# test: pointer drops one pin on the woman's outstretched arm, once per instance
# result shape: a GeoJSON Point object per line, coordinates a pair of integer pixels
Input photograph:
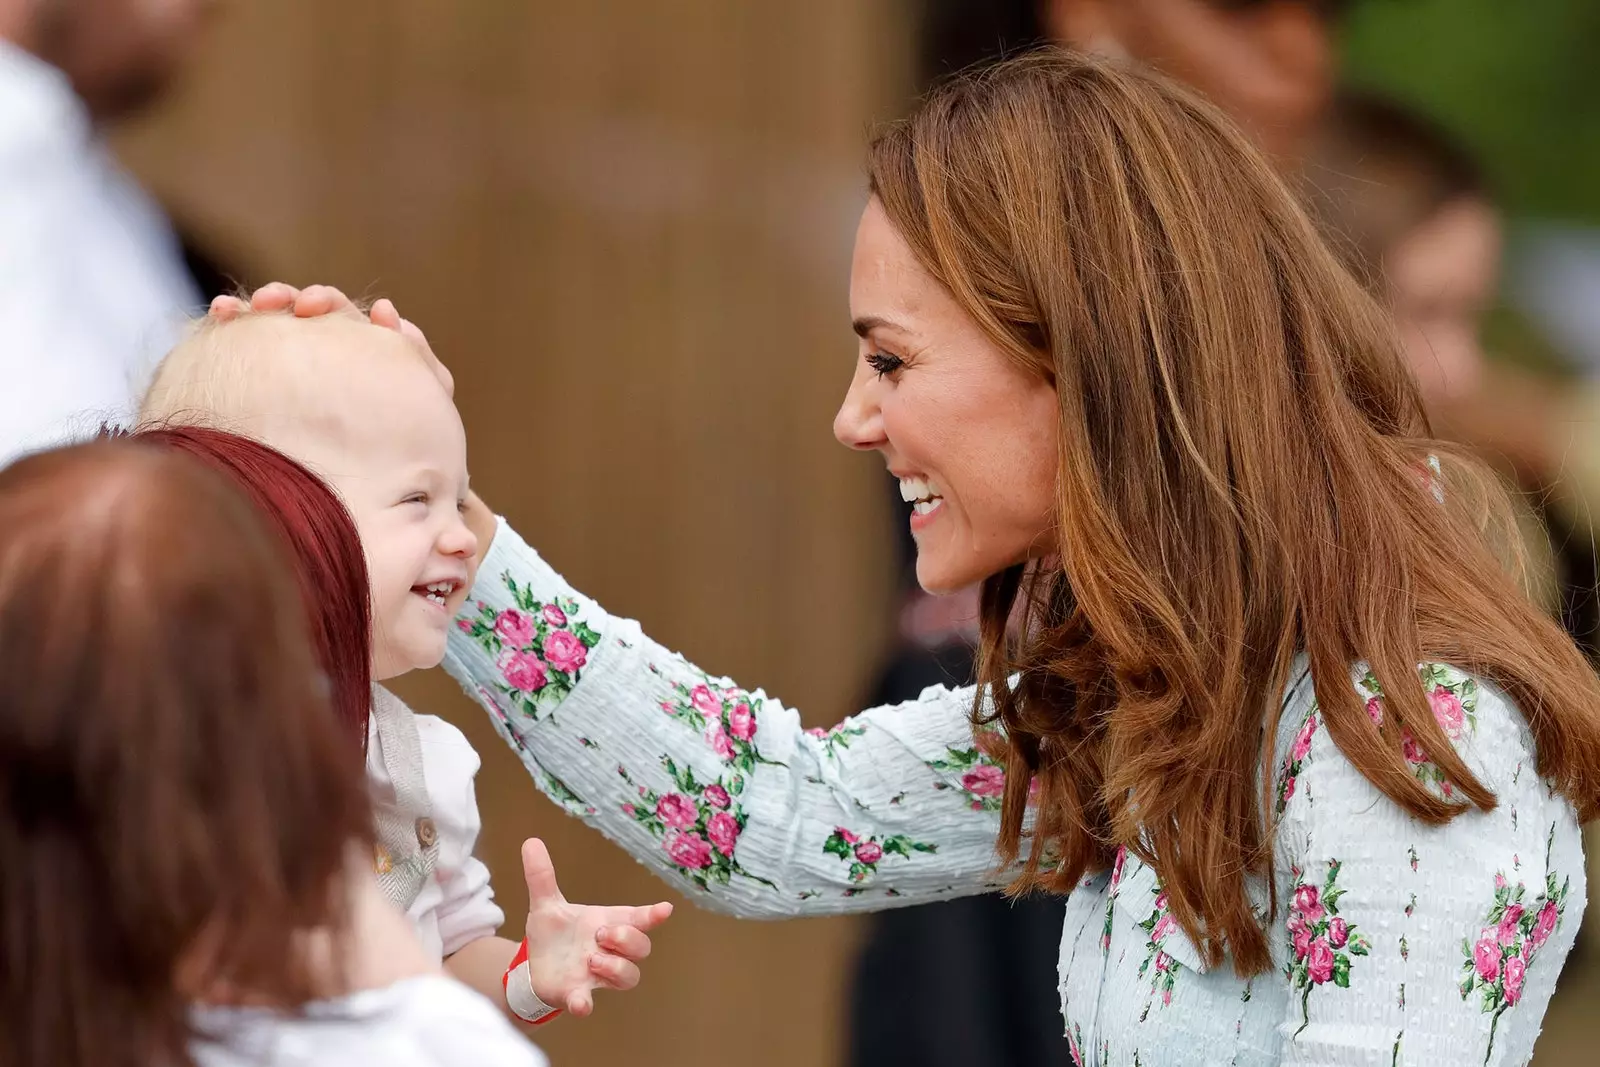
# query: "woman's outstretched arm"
{"type": "Point", "coordinates": [715, 787]}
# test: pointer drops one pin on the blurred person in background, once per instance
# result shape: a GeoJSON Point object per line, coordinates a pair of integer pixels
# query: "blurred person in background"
{"type": "Point", "coordinates": [1271, 64]}
{"type": "Point", "coordinates": [94, 284]}
{"type": "Point", "coordinates": [185, 822]}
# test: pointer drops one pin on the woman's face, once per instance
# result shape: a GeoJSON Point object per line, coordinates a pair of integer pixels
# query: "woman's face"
{"type": "Point", "coordinates": [970, 434]}
{"type": "Point", "coordinates": [1441, 278]}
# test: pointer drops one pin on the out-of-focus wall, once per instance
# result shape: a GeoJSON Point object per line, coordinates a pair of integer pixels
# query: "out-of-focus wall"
{"type": "Point", "coordinates": [626, 227]}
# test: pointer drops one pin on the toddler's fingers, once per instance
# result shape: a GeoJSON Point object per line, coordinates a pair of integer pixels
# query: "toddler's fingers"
{"type": "Point", "coordinates": [614, 971]}
{"type": "Point", "coordinates": [580, 1002]}
{"type": "Point", "coordinates": [626, 941]}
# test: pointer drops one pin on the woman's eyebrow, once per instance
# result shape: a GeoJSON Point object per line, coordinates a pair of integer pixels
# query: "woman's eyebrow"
{"type": "Point", "coordinates": [867, 323]}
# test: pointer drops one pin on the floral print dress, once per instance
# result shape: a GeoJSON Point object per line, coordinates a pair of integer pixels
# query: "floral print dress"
{"type": "Point", "coordinates": [1395, 942]}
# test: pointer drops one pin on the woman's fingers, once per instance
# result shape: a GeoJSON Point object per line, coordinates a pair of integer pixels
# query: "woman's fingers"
{"type": "Point", "coordinates": [385, 314]}
{"type": "Point", "coordinates": [318, 300]}
{"type": "Point", "coordinates": [274, 296]}
{"type": "Point", "coordinates": [614, 972]}
{"type": "Point", "coordinates": [227, 308]}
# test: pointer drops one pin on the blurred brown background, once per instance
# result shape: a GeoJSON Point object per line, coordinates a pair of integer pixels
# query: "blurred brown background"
{"type": "Point", "coordinates": [634, 259]}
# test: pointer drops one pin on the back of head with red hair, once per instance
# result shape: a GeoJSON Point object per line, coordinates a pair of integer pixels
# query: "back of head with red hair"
{"type": "Point", "coordinates": [177, 800]}
{"type": "Point", "coordinates": [329, 563]}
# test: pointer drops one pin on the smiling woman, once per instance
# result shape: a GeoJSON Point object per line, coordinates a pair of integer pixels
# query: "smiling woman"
{"type": "Point", "coordinates": [1254, 688]}
{"type": "Point", "coordinates": [968, 429]}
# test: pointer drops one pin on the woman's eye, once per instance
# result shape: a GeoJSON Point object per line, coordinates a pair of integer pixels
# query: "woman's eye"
{"type": "Point", "coordinates": [884, 363]}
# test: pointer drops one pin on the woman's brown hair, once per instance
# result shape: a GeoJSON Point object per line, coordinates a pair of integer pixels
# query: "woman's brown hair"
{"type": "Point", "coordinates": [1242, 474]}
{"type": "Point", "coordinates": [176, 797]}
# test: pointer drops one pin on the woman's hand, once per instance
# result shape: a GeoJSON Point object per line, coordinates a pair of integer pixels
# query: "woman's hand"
{"type": "Point", "coordinates": [574, 949]}
{"type": "Point", "coordinates": [317, 300]}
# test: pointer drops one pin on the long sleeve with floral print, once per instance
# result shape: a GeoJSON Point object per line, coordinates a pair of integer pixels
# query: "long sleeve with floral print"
{"type": "Point", "coordinates": [1395, 943]}
{"type": "Point", "coordinates": [717, 788]}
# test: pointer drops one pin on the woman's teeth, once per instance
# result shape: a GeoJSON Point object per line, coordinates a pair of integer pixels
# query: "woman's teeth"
{"type": "Point", "coordinates": [921, 494]}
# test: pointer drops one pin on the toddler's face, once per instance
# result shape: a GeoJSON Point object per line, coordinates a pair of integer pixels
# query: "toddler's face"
{"type": "Point", "coordinates": [392, 445]}
{"type": "Point", "coordinates": [356, 405]}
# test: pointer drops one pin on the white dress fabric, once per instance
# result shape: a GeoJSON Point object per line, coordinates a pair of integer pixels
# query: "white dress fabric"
{"type": "Point", "coordinates": [429, 1021]}
{"type": "Point", "coordinates": [1395, 942]}
{"type": "Point", "coordinates": [93, 289]}
{"type": "Point", "coordinates": [455, 905]}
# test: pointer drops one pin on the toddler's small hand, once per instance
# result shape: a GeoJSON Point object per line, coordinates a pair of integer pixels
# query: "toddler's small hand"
{"type": "Point", "coordinates": [574, 949]}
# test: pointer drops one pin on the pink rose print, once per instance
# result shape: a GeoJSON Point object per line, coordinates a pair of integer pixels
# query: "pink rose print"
{"type": "Point", "coordinates": [1294, 762]}
{"type": "Point", "coordinates": [1117, 865]}
{"type": "Point", "coordinates": [1496, 966]}
{"type": "Point", "coordinates": [1375, 710]}
{"type": "Point", "coordinates": [523, 671]}
{"type": "Point", "coordinates": [1324, 944]}
{"type": "Point", "coordinates": [1302, 940]}
{"type": "Point", "coordinates": [1545, 925]}
{"type": "Point", "coordinates": [538, 664]}
{"type": "Point", "coordinates": [698, 825]}
{"type": "Point", "coordinates": [818, 732]}
{"type": "Point", "coordinates": [1308, 902]}
{"type": "Point", "coordinates": [723, 830]}
{"type": "Point", "coordinates": [678, 811]}
{"type": "Point", "coordinates": [722, 744]}
{"type": "Point", "coordinates": [1302, 741]}
{"type": "Point", "coordinates": [565, 652]}
{"type": "Point", "coordinates": [1516, 970]}
{"type": "Point", "coordinates": [1486, 956]}
{"type": "Point", "coordinates": [863, 854]}
{"type": "Point", "coordinates": [1413, 752]}
{"type": "Point", "coordinates": [514, 628]}
{"type": "Point", "coordinates": [1319, 961]}
{"type": "Point", "coordinates": [1510, 926]}
{"type": "Point", "coordinates": [689, 850]}
{"type": "Point", "coordinates": [741, 722]}
{"type": "Point", "coordinates": [869, 852]}
{"type": "Point", "coordinates": [704, 701]}
{"type": "Point", "coordinates": [977, 777]}
{"type": "Point", "coordinates": [1447, 710]}
{"type": "Point", "coordinates": [985, 780]}
{"type": "Point", "coordinates": [1159, 966]}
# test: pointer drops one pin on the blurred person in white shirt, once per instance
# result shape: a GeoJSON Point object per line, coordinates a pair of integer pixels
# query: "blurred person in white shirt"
{"type": "Point", "coordinates": [93, 282]}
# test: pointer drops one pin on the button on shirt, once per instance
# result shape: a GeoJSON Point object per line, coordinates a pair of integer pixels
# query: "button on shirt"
{"type": "Point", "coordinates": [93, 289]}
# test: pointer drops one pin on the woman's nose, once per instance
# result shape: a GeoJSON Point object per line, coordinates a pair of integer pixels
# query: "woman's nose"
{"type": "Point", "coordinates": [859, 422]}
